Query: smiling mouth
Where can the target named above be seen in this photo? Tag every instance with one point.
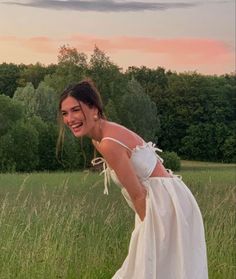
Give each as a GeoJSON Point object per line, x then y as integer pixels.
{"type": "Point", "coordinates": [75, 127]}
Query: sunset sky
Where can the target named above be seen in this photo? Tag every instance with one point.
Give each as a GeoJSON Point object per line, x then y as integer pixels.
{"type": "Point", "coordinates": [184, 35]}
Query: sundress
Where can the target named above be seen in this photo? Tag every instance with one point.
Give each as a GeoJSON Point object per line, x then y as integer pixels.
{"type": "Point", "coordinates": [170, 242]}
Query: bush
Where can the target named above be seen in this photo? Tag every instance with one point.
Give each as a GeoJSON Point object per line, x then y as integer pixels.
{"type": "Point", "coordinates": [19, 148]}
{"type": "Point", "coordinates": [47, 136]}
{"type": "Point", "coordinates": [7, 162]}
{"type": "Point", "coordinates": [171, 160]}
{"type": "Point", "coordinates": [229, 149]}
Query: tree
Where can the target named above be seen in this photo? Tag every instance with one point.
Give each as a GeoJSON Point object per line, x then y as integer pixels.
{"type": "Point", "coordinates": [26, 95]}
{"type": "Point", "coordinates": [149, 78]}
{"type": "Point", "coordinates": [106, 75]}
{"type": "Point", "coordinates": [229, 149]}
{"type": "Point", "coordinates": [9, 74]}
{"type": "Point", "coordinates": [20, 147]}
{"type": "Point", "coordinates": [47, 137]}
{"type": "Point", "coordinates": [138, 112]}
{"type": "Point", "coordinates": [46, 103]}
{"type": "Point", "coordinates": [204, 142]}
{"type": "Point", "coordinates": [7, 161]}
{"type": "Point", "coordinates": [72, 67]}
{"type": "Point", "coordinates": [70, 56]}
{"type": "Point", "coordinates": [40, 102]}
{"type": "Point", "coordinates": [10, 112]}
{"type": "Point", "coordinates": [111, 112]}
{"type": "Point", "coordinates": [34, 74]}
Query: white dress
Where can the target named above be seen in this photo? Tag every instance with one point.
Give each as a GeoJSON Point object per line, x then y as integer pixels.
{"type": "Point", "coordinates": [169, 243]}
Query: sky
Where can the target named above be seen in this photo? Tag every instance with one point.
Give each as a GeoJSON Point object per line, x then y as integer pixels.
{"type": "Point", "coordinates": [181, 36]}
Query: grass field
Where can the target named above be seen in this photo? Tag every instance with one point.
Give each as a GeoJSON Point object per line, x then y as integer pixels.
{"type": "Point", "coordinates": [60, 225]}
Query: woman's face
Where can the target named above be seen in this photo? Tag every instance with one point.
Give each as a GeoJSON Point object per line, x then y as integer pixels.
{"type": "Point", "coordinates": [78, 116]}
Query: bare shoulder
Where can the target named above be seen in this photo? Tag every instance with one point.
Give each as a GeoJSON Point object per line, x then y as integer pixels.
{"type": "Point", "coordinates": [110, 148]}
{"type": "Point", "coordinates": [116, 155]}
{"type": "Point", "coordinates": [122, 134]}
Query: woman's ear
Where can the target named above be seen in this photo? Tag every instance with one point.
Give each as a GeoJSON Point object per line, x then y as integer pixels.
{"type": "Point", "coordinates": [95, 113]}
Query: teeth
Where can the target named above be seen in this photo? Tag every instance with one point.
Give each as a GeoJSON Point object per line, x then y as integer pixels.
{"type": "Point", "coordinates": [76, 125]}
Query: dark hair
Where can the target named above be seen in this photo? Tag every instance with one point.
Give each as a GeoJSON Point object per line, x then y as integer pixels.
{"type": "Point", "coordinates": [85, 92]}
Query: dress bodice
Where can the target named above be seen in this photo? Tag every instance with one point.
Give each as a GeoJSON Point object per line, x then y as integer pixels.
{"type": "Point", "coordinates": [143, 157]}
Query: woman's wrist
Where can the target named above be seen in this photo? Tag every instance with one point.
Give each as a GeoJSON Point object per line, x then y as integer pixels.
{"type": "Point", "coordinates": [140, 205]}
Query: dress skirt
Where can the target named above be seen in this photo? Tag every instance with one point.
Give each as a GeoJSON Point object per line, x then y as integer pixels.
{"type": "Point", "coordinates": [169, 243]}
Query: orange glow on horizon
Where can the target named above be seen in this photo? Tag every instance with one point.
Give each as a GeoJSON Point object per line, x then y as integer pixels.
{"type": "Point", "coordinates": [179, 52]}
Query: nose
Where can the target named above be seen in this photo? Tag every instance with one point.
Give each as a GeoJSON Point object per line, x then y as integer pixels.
{"type": "Point", "coordinates": [69, 119]}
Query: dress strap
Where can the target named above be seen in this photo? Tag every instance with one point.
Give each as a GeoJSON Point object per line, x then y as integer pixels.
{"type": "Point", "coordinates": [117, 141]}
{"type": "Point", "coordinates": [105, 171]}
{"type": "Point", "coordinates": [152, 146]}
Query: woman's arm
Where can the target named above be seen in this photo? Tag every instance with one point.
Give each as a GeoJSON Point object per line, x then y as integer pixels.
{"type": "Point", "coordinates": [118, 159]}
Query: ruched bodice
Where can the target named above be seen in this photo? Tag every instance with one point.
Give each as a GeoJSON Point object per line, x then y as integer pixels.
{"type": "Point", "coordinates": [143, 157]}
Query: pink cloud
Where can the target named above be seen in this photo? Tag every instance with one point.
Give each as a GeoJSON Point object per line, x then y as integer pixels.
{"type": "Point", "coordinates": [36, 44]}
{"type": "Point", "coordinates": [7, 38]}
{"type": "Point", "coordinates": [185, 53]}
{"type": "Point", "coordinates": [40, 44]}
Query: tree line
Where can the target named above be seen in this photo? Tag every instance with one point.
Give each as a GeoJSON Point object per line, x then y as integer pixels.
{"type": "Point", "coordinates": [187, 113]}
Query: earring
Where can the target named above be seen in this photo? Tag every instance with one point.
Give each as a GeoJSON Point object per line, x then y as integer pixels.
{"type": "Point", "coordinates": [95, 117]}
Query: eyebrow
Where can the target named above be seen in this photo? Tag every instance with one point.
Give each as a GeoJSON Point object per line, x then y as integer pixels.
{"type": "Point", "coordinates": [77, 106]}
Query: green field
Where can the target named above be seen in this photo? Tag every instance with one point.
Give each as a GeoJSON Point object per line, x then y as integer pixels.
{"type": "Point", "coordinates": [60, 225]}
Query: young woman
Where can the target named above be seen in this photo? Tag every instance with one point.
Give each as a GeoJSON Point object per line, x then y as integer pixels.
{"type": "Point", "coordinates": [168, 239]}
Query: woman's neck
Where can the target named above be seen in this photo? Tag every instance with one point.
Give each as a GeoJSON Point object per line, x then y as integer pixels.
{"type": "Point", "coordinates": [97, 132]}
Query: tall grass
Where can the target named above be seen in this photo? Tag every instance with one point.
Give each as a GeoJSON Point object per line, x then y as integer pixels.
{"type": "Point", "coordinates": [60, 225]}
{"type": "Point", "coordinates": [214, 186]}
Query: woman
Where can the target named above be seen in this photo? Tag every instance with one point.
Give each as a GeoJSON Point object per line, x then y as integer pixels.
{"type": "Point", "coordinates": [168, 239]}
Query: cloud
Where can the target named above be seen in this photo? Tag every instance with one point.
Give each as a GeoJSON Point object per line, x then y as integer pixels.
{"type": "Point", "coordinates": [185, 51]}
{"type": "Point", "coordinates": [182, 54]}
{"type": "Point", "coordinates": [104, 5]}
{"type": "Point", "coordinates": [35, 44]}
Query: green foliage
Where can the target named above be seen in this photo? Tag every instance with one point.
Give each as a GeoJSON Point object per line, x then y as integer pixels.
{"type": "Point", "coordinates": [171, 160]}
{"type": "Point", "coordinates": [35, 74]}
{"type": "Point", "coordinates": [70, 56]}
{"type": "Point", "coordinates": [47, 137]}
{"type": "Point", "coordinates": [10, 112]}
{"type": "Point", "coordinates": [229, 149]}
{"type": "Point", "coordinates": [205, 141]}
{"type": "Point", "coordinates": [195, 100]}
{"type": "Point", "coordinates": [40, 102]}
{"type": "Point", "coordinates": [7, 161]}
{"type": "Point", "coordinates": [188, 113]}
{"type": "Point", "coordinates": [9, 75]}
{"type": "Point", "coordinates": [46, 103]}
{"type": "Point", "coordinates": [149, 78]}
{"type": "Point", "coordinates": [71, 68]}
{"type": "Point", "coordinates": [19, 147]}
{"type": "Point", "coordinates": [26, 95]}
{"type": "Point", "coordinates": [106, 75]}
{"type": "Point", "coordinates": [138, 112]}
{"type": "Point", "coordinates": [111, 112]}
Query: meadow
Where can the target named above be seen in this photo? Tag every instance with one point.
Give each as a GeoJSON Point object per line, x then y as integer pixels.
{"type": "Point", "coordinates": [60, 225]}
